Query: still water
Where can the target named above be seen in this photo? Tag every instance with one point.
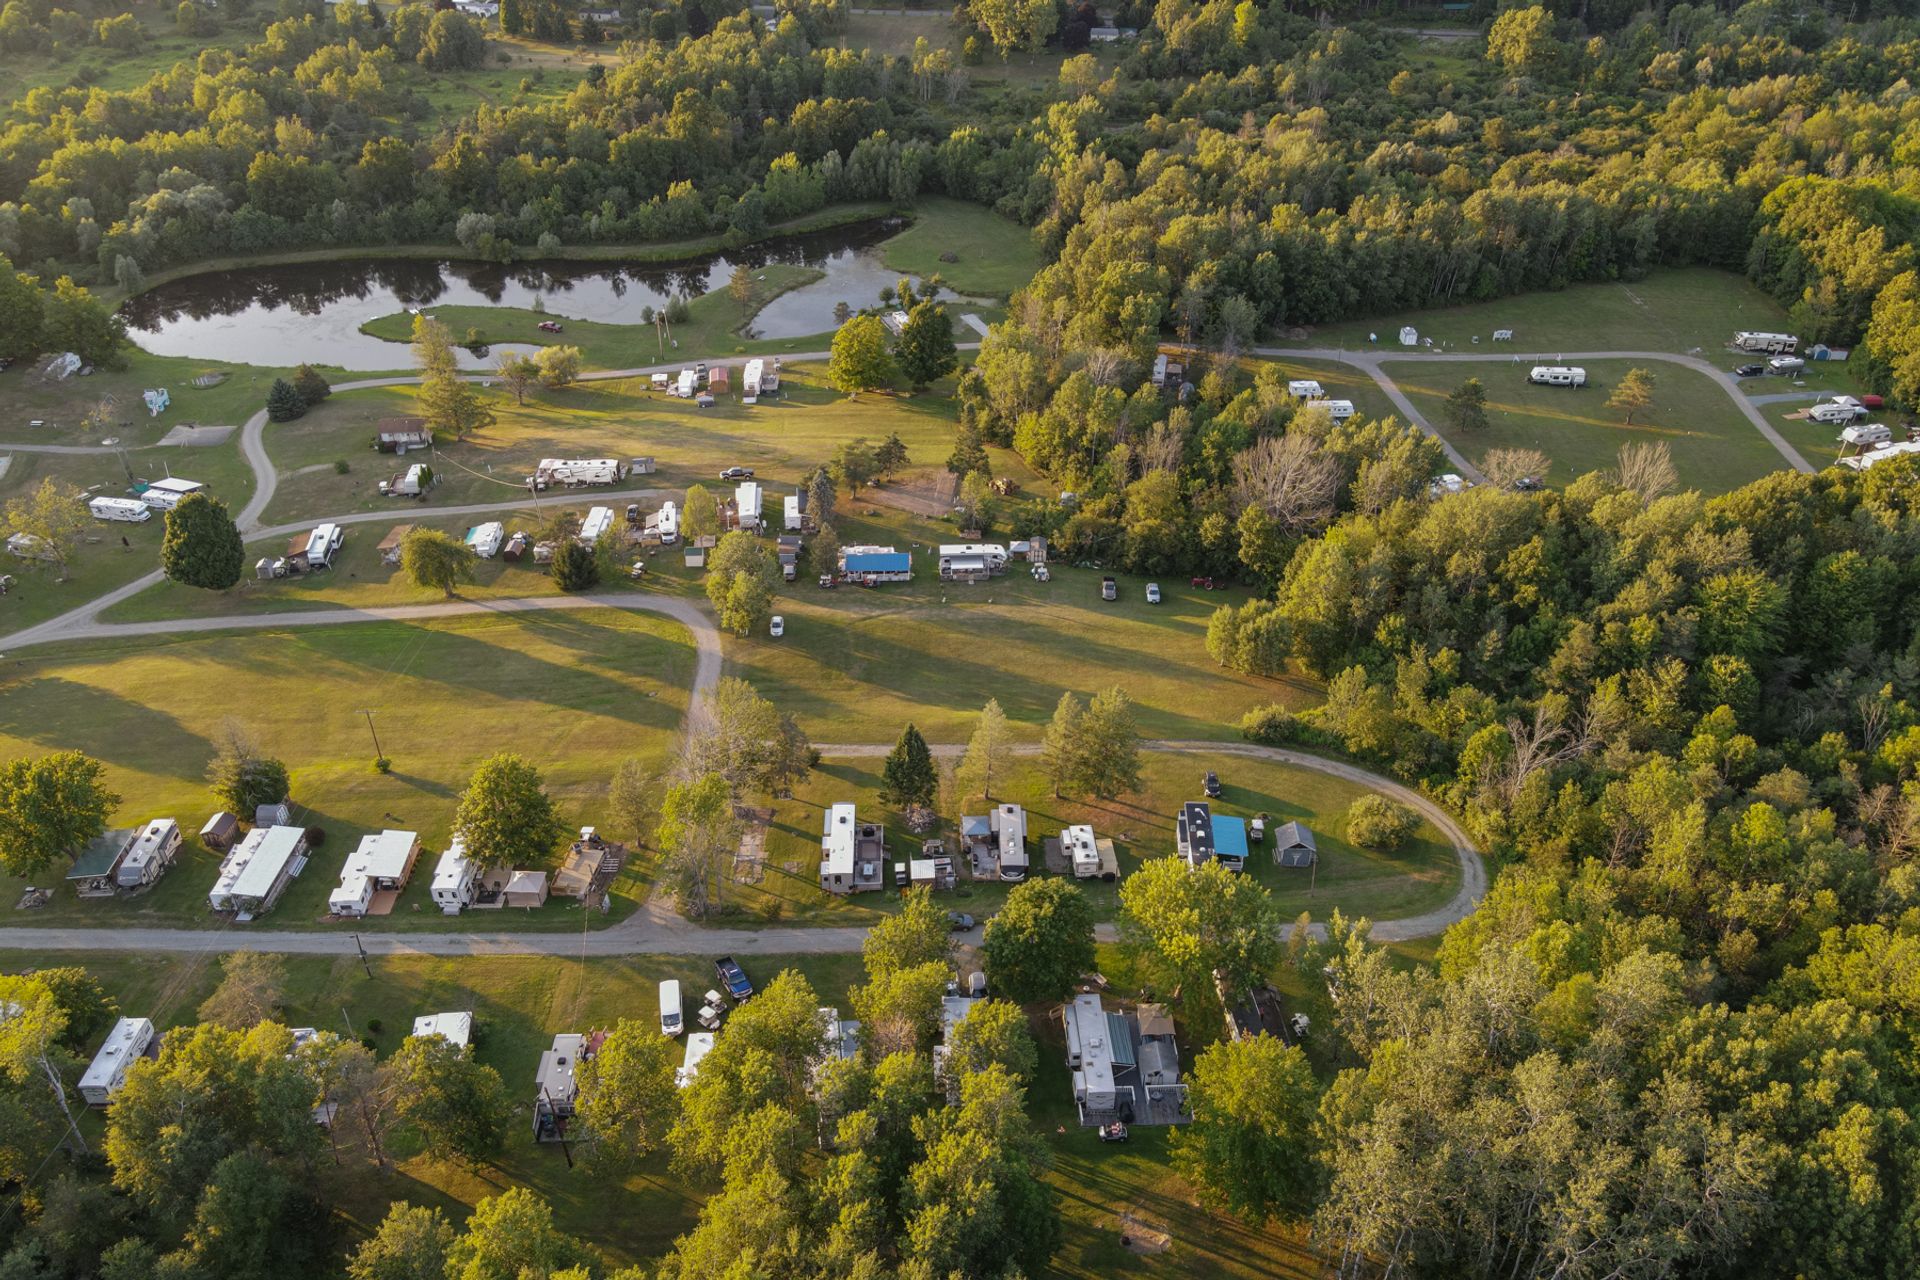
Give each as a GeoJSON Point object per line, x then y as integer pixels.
{"type": "Point", "coordinates": [313, 311]}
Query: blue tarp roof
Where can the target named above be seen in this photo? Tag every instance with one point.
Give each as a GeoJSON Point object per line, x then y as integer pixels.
{"type": "Point", "coordinates": [880, 562]}
{"type": "Point", "coordinates": [1230, 837]}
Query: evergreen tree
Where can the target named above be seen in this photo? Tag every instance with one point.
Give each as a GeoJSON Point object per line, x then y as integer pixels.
{"type": "Point", "coordinates": [202, 546]}
{"type": "Point", "coordinates": [926, 351]}
{"type": "Point", "coordinates": [513, 17]}
{"type": "Point", "coordinates": [820, 497]}
{"type": "Point", "coordinates": [969, 452]}
{"type": "Point", "coordinates": [909, 777]}
{"type": "Point", "coordinates": [312, 387]}
{"type": "Point", "coordinates": [284, 401]}
{"type": "Point", "coordinates": [1064, 748]}
{"type": "Point", "coordinates": [1467, 406]}
{"type": "Point", "coordinates": [575, 567]}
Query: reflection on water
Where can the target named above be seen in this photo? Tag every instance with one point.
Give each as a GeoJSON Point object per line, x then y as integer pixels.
{"type": "Point", "coordinates": [313, 311]}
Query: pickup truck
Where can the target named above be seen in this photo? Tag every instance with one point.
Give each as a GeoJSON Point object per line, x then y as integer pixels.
{"type": "Point", "coordinates": [733, 979]}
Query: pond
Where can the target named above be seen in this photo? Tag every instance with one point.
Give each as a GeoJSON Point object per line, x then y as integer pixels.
{"type": "Point", "coordinates": [313, 311]}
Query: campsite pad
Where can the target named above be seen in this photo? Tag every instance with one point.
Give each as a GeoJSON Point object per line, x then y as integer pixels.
{"type": "Point", "coordinates": [929, 493]}
{"type": "Point", "coordinates": [382, 903]}
{"type": "Point", "coordinates": [750, 860]}
{"type": "Point", "coordinates": [1138, 1237]}
{"type": "Point", "coordinates": [197, 435]}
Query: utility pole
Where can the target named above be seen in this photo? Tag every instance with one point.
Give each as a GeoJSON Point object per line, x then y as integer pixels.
{"type": "Point", "coordinates": [364, 962]}
{"type": "Point", "coordinates": [377, 753]}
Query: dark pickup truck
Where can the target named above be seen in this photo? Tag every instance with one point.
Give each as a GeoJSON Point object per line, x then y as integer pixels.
{"type": "Point", "coordinates": [733, 978]}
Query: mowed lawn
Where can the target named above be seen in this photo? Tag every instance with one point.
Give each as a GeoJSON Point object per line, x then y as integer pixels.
{"type": "Point", "coordinates": [1714, 447]}
{"type": "Point", "coordinates": [784, 439]}
{"type": "Point", "coordinates": [1416, 878]}
{"type": "Point", "coordinates": [992, 255]}
{"type": "Point", "coordinates": [1694, 310]}
{"type": "Point", "coordinates": [575, 692]}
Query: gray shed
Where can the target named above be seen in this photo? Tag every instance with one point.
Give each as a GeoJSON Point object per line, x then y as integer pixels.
{"type": "Point", "coordinates": [1293, 846]}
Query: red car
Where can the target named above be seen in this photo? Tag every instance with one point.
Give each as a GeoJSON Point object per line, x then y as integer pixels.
{"type": "Point", "coordinates": [1206, 584]}
{"type": "Point", "coordinates": [550, 326]}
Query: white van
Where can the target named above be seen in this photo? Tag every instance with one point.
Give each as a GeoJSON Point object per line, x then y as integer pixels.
{"type": "Point", "coordinates": [1338, 410]}
{"type": "Point", "coordinates": [1866, 433]}
{"type": "Point", "coordinates": [672, 1017]}
{"type": "Point", "coordinates": [1305, 389]}
{"type": "Point", "coordinates": [1558, 375]}
{"type": "Point", "coordinates": [129, 510]}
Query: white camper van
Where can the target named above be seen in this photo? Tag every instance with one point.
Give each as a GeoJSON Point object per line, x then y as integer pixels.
{"type": "Point", "coordinates": [1772, 344]}
{"type": "Point", "coordinates": [129, 510]}
{"type": "Point", "coordinates": [1338, 410]}
{"type": "Point", "coordinates": [1305, 389]}
{"type": "Point", "coordinates": [1558, 375]}
{"type": "Point", "coordinates": [672, 1016]}
{"type": "Point", "coordinates": [1866, 434]}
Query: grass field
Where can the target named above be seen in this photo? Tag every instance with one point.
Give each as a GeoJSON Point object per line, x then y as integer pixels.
{"type": "Point", "coordinates": [1714, 447]}
{"type": "Point", "coordinates": [1695, 310]}
{"type": "Point", "coordinates": [710, 330]}
{"type": "Point", "coordinates": [575, 692]}
{"type": "Point", "coordinates": [993, 256]}
{"type": "Point", "coordinates": [521, 1002]}
{"type": "Point", "coordinates": [784, 439]}
{"type": "Point", "coordinates": [1358, 882]}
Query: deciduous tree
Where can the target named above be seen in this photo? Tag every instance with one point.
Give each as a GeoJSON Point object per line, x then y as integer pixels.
{"type": "Point", "coordinates": [411, 1243]}
{"type": "Point", "coordinates": [518, 374]}
{"type": "Point", "coordinates": [511, 1236]}
{"type": "Point", "coordinates": [50, 807]}
{"type": "Point", "coordinates": [1041, 943]}
{"type": "Point", "coordinates": [436, 560]}
{"type": "Point", "coordinates": [917, 934]}
{"type": "Point", "coordinates": [458, 1106]}
{"type": "Point", "coordinates": [1190, 922]}
{"type": "Point", "coordinates": [558, 366]}
{"type": "Point", "coordinates": [313, 387]}
{"type": "Point", "coordinates": [241, 776]}
{"type": "Point", "coordinates": [54, 517]}
{"type": "Point", "coordinates": [505, 817]}
{"type": "Point", "coordinates": [1632, 394]}
{"type": "Point", "coordinates": [859, 361]}
{"type": "Point", "coordinates": [252, 986]}
{"type": "Point", "coordinates": [628, 1099]}
{"type": "Point", "coordinates": [1250, 1146]}
{"type": "Point", "coordinates": [742, 577]}
{"type": "Point", "coordinates": [449, 403]}
{"type": "Point", "coordinates": [697, 832]}
{"type": "Point", "coordinates": [926, 352]}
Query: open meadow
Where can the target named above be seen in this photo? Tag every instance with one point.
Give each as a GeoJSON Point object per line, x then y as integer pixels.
{"type": "Point", "coordinates": [1714, 447]}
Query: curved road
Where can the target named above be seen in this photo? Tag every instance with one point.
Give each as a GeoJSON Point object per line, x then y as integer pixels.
{"type": "Point", "coordinates": [1369, 362]}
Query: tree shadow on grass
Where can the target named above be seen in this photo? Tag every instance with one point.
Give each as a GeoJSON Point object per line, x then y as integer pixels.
{"type": "Point", "coordinates": [64, 714]}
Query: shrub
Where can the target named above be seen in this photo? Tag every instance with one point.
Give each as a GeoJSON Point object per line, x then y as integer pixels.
{"type": "Point", "coordinates": [1272, 725]}
{"type": "Point", "coordinates": [1375, 822]}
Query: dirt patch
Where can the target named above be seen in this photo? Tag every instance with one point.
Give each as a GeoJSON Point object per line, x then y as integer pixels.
{"type": "Point", "coordinates": [925, 493]}
{"type": "Point", "coordinates": [1142, 1238]}
{"type": "Point", "coordinates": [750, 859]}
{"type": "Point", "coordinates": [196, 437]}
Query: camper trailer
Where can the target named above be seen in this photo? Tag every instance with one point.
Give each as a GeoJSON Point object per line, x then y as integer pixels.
{"type": "Point", "coordinates": [1305, 389]}
{"type": "Point", "coordinates": [1866, 435]}
{"type": "Point", "coordinates": [1558, 375]}
{"type": "Point", "coordinates": [595, 526]}
{"type": "Point", "coordinates": [127, 510]}
{"type": "Point", "coordinates": [130, 1040]}
{"type": "Point", "coordinates": [1772, 344]}
{"type": "Point", "coordinates": [669, 524]}
{"type": "Point", "coordinates": [750, 380]}
{"type": "Point", "coordinates": [684, 386]}
{"type": "Point", "coordinates": [455, 879]}
{"type": "Point", "coordinates": [1338, 410]}
{"type": "Point", "coordinates": [411, 483]}
{"type": "Point", "coordinates": [150, 854]}
{"type": "Point", "coordinates": [485, 539]}
{"type": "Point", "coordinates": [1839, 410]}
{"type": "Point", "coordinates": [1785, 366]}
{"type": "Point", "coordinates": [746, 502]}
{"type": "Point", "coordinates": [323, 544]}
{"type": "Point", "coordinates": [573, 472]}
{"type": "Point", "coordinates": [165, 495]}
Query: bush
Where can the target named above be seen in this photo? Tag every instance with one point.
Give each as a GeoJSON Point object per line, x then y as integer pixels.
{"type": "Point", "coordinates": [312, 387]}
{"type": "Point", "coordinates": [1375, 822]}
{"type": "Point", "coordinates": [1271, 726]}
{"type": "Point", "coordinates": [341, 466]}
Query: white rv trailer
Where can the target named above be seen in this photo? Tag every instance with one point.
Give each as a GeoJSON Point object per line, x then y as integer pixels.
{"type": "Point", "coordinates": [128, 510]}
{"type": "Point", "coordinates": [746, 502]}
{"type": "Point", "coordinates": [683, 388]}
{"type": "Point", "coordinates": [165, 495]}
{"type": "Point", "coordinates": [1783, 366]}
{"type": "Point", "coordinates": [1338, 410]}
{"type": "Point", "coordinates": [1866, 434]}
{"type": "Point", "coordinates": [150, 854]}
{"type": "Point", "coordinates": [485, 539]}
{"type": "Point", "coordinates": [1864, 461]}
{"type": "Point", "coordinates": [669, 524]}
{"type": "Point", "coordinates": [1840, 410]}
{"type": "Point", "coordinates": [1773, 344]}
{"type": "Point", "coordinates": [572, 472]}
{"type": "Point", "coordinates": [130, 1040]}
{"type": "Point", "coordinates": [750, 380]}
{"type": "Point", "coordinates": [1558, 375]}
{"type": "Point", "coordinates": [323, 544]}
{"type": "Point", "coordinates": [595, 526]}
{"type": "Point", "coordinates": [1305, 389]}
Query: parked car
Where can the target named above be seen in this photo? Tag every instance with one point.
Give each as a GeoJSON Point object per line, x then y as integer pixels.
{"type": "Point", "coordinates": [1153, 593]}
{"type": "Point", "coordinates": [550, 326]}
{"type": "Point", "coordinates": [733, 978]}
{"type": "Point", "coordinates": [1206, 584]}
{"type": "Point", "coordinates": [777, 627]}
{"type": "Point", "coordinates": [737, 473]}
{"type": "Point", "coordinates": [1109, 589]}
{"type": "Point", "coordinates": [1749, 371]}
{"type": "Point", "coordinates": [1529, 484]}
{"type": "Point", "coordinates": [1212, 785]}
{"type": "Point", "coordinates": [960, 921]}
